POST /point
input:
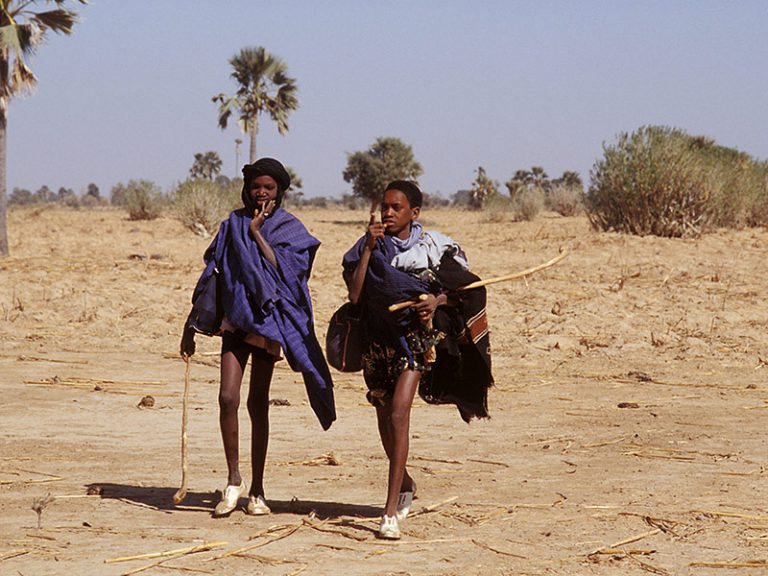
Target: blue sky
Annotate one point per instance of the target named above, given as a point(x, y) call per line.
point(499, 84)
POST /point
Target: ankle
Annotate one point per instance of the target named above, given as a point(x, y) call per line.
point(234, 480)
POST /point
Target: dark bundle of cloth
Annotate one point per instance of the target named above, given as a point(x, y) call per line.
point(461, 375)
point(275, 303)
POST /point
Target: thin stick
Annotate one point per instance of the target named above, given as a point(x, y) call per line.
point(181, 493)
point(13, 554)
point(491, 462)
point(289, 529)
point(480, 283)
point(486, 547)
point(516, 275)
point(188, 550)
point(627, 541)
point(734, 515)
point(433, 507)
point(751, 564)
point(159, 563)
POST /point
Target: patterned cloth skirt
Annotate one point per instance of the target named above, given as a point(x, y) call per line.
point(384, 362)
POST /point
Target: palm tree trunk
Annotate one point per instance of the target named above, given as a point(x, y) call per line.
point(252, 134)
point(3, 194)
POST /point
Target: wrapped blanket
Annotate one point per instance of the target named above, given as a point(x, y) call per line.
point(274, 302)
point(461, 375)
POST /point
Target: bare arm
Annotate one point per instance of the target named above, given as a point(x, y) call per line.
point(375, 231)
point(258, 220)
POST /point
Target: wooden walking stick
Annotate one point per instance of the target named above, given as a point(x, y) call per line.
point(479, 283)
point(181, 493)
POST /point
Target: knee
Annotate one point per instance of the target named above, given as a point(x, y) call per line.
point(228, 401)
point(399, 418)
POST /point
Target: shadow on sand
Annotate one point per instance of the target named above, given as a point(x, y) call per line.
point(161, 498)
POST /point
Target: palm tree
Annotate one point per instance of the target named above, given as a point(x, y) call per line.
point(22, 30)
point(263, 86)
point(207, 165)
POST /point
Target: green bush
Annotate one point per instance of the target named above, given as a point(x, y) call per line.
point(143, 200)
point(201, 204)
point(661, 181)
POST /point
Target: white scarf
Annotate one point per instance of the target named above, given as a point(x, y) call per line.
point(424, 250)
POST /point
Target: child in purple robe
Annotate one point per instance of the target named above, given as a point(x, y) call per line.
point(263, 258)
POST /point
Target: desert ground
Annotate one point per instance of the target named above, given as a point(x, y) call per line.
point(628, 430)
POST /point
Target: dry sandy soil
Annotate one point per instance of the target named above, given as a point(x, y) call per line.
point(628, 430)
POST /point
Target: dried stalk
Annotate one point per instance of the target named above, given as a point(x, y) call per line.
point(188, 550)
point(488, 462)
point(748, 564)
point(734, 515)
point(290, 529)
point(13, 554)
point(648, 567)
point(486, 547)
point(434, 507)
point(629, 540)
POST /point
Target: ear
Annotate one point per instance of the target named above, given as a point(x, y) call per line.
point(415, 212)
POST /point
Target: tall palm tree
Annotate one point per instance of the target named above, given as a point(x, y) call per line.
point(263, 86)
point(22, 30)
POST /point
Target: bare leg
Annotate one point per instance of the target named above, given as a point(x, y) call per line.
point(397, 424)
point(258, 409)
point(232, 367)
point(383, 416)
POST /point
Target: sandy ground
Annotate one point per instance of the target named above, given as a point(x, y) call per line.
point(628, 430)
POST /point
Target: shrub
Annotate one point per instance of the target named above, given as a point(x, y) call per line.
point(21, 196)
point(498, 208)
point(117, 195)
point(483, 189)
point(201, 204)
point(662, 181)
point(528, 203)
point(143, 200)
point(91, 201)
point(566, 200)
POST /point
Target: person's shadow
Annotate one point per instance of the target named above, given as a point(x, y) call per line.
point(161, 498)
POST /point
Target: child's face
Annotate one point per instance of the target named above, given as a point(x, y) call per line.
point(263, 189)
point(397, 213)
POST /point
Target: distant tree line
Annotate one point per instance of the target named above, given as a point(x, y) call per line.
point(657, 180)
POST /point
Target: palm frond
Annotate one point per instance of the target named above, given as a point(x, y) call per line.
point(22, 79)
point(60, 21)
point(30, 36)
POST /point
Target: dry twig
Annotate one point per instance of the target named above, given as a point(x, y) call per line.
point(176, 552)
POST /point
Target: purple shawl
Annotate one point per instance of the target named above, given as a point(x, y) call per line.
point(274, 302)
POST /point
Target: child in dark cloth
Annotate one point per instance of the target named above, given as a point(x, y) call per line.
point(439, 345)
point(263, 257)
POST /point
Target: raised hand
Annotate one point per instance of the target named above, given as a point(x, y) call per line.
point(375, 231)
point(260, 215)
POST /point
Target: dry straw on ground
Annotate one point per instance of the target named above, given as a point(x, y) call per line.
point(561, 479)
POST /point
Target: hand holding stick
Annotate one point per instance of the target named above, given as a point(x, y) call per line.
point(479, 283)
point(181, 493)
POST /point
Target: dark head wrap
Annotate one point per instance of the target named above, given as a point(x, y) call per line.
point(265, 167)
point(408, 188)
